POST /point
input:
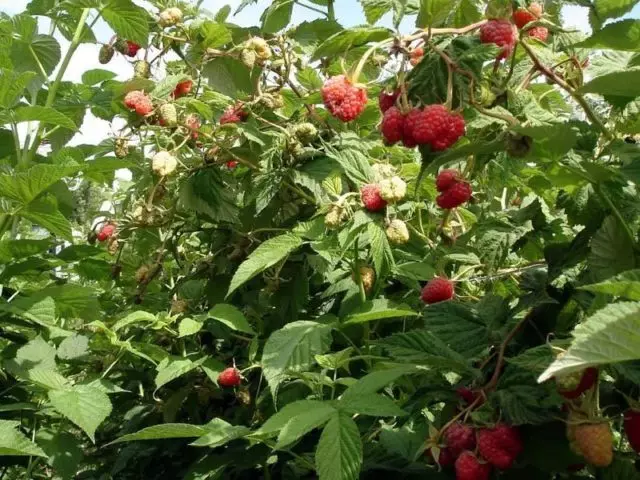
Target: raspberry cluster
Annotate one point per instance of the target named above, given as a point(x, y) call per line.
point(453, 190)
point(233, 114)
point(386, 100)
point(500, 32)
point(138, 101)
point(523, 16)
point(433, 125)
point(497, 447)
point(343, 99)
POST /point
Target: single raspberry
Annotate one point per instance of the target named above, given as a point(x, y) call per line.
point(142, 273)
point(163, 163)
point(368, 277)
point(416, 56)
point(138, 101)
point(455, 196)
point(460, 437)
point(393, 189)
point(105, 54)
point(106, 232)
point(141, 69)
point(370, 195)
point(446, 179)
point(121, 147)
point(232, 164)
point(386, 100)
point(632, 428)
point(468, 467)
point(541, 33)
point(334, 217)
point(192, 122)
point(182, 88)
point(444, 456)
point(344, 100)
point(169, 17)
point(536, 8)
point(397, 232)
point(229, 377)
point(167, 115)
point(438, 289)
point(595, 442)
point(233, 115)
point(392, 125)
point(571, 386)
point(500, 445)
point(131, 49)
point(502, 33)
point(522, 16)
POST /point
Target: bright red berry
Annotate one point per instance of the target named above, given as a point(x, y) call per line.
point(412, 119)
point(460, 437)
point(541, 33)
point(138, 101)
point(632, 428)
point(234, 114)
point(386, 100)
point(455, 196)
point(392, 125)
point(371, 198)
point(445, 457)
point(106, 232)
point(229, 377)
point(416, 56)
point(182, 88)
point(502, 33)
point(132, 48)
point(435, 126)
point(438, 289)
point(343, 99)
point(468, 467)
point(522, 16)
point(500, 445)
point(232, 164)
point(446, 179)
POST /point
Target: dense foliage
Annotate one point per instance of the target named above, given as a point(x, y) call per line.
point(341, 253)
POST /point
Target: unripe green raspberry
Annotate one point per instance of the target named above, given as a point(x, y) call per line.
point(105, 54)
point(397, 232)
point(305, 132)
point(121, 147)
point(393, 189)
point(272, 101)
point(168, 115)
point(260, 46)
point(334, 217)
point(170, 17)
point(141, 69)
point(382, 171)
point(248, 57)
point(163, 163)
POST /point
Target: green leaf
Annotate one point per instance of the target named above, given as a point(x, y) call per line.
point(12, 84)
point(265, 256)
point(277, 16)
point(205, 193)
point(610, 335)
point(97, 75)
point(339, 454)
point(339, 43)
point(623, 84)
point(605, 9)
point(625, 285)
point(215, 34)
point(44, 212)
point(167, 85)
point(288, 413)
point(188, 327)
point(536, 359)
point(229, 76)
point(623, 35)
point(64, 451)
point(72, 301)
point(458, 327)
point(374, 381)
point(380, 249)
point(231, 317)
point(14, 442)
point(376, 310)
point(372, 405)
point(220, 433)
point(26, 186)
point(29, 52)
point(375, 9)
point(17, 249)
point(85, 406)
point(128, 20)
point(611, 250)
point(37, 353)
point(139, 316)
point(434, 12)
point(293, 348)
point(75, 346)
point(173, 367)
point(303, 423)
point(354, 163)
point(46, 115)
point(166, 430)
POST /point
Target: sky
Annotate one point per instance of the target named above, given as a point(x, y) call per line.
point(348, 13)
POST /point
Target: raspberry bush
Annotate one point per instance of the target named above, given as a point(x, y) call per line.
point(407, 249)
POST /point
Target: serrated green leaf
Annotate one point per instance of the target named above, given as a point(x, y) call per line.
point(174, 367)
point(166, 430)
point(277, 15)
point(45, 213)
point(75, 346)
point(277, 421)
point(347, 39)
point(231, 317)
point(374, 381)
point(128, 20)
point(625, 285)
point(611, 250)
point(46, 115)
point(12, 84)
point(303, 423)
point(435, 12)
point(265, 256)
point(26, 186)
point(372, 405)
point(188, 327)
point(380, 249)
point(623, 35)
point(205, 193)
point(167, 85)
point(220, 433)
point(610, 335)
point(378, 309)
point(14, 442)
point(139, 316)
point(605, 9)
point(622, 84)
point(85, 406)
point(97, 75)
point(458, 327)
point(339, 453)
point(215, 34)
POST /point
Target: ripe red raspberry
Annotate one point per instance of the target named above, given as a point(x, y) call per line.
point(344, 100)
point(132, 48)
point(106, 232)
point(468, 467)
point(502, 33)
point(446, 179)
point(438, 289)
point(500, 445)
point(234, 114)
point(572, 386)
point(541, 33)
point(411, 120)
point(435, 126)
point(416, 56)
point(371, 198)
point(460, 437)
point(182, 88)
point(193, 123)
point(232, 164)
point(387, 100)
point(455, 196)
point(229, 377)
point(138, 101)
point(522, 16)
point(632, 428)
point(392, 125)
point(445, 457)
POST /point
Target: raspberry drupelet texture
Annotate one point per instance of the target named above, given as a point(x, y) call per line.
point(454, 196)
point(182, 88)
point(371, 198)
point(460, 437)
point(500, 445)
point(392, 126)
point(138, 101)
point(468, 467)
point(343, 99)
point(386, 100)
point(437, 290)
point(447, 178)
point(522, 16)
point(234, 114)
point(541, 33)
point(435, 125)
point(229, 377)
point(502, 33)
point(106, 232)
